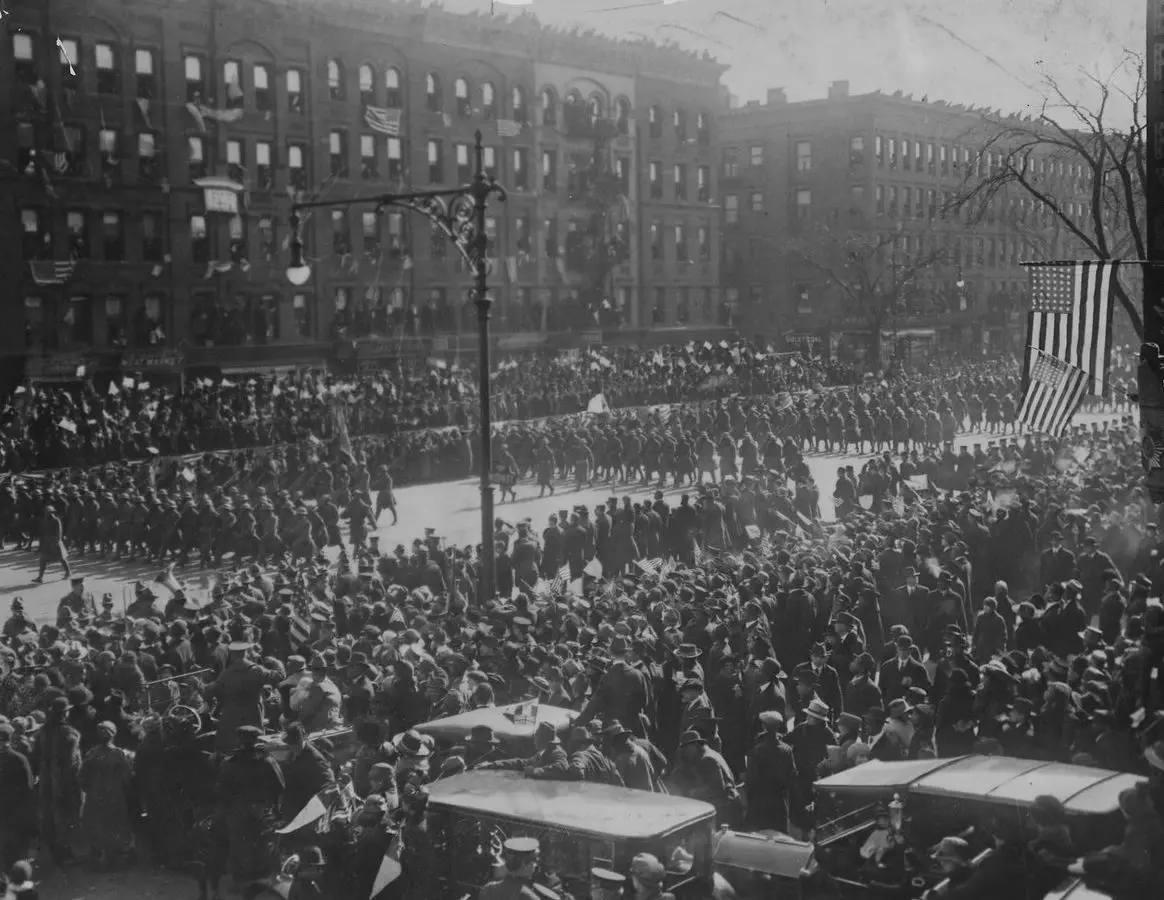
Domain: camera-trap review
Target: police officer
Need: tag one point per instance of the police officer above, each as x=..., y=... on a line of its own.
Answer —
x=521, y=861
x=606, y=885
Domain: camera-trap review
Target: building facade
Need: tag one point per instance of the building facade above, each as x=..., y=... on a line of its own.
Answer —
x=155, y=149
x=878, y=170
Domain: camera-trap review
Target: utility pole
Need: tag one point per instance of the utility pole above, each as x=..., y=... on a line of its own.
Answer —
x=1151, y=409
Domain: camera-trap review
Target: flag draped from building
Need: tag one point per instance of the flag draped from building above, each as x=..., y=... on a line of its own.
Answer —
x=508, y=128
x=1071, y=318
x=1053, y=393
x=52, y=271
x=385, y=121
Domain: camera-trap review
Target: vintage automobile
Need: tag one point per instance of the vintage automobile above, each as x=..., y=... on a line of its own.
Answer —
x=759, y=865
x=513, y=725
x=875, y=823
x=579, y=824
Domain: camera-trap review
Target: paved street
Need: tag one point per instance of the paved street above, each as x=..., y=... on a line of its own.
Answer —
x=453, y=509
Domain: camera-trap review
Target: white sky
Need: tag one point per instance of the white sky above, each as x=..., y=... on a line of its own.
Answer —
x=987, y=52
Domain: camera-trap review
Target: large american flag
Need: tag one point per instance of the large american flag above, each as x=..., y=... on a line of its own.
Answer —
x=385, y=121
x=52, y=272
x=1071, y=318
x=1053, y=393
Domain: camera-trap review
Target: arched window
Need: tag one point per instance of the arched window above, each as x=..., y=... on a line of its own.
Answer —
x=703, y=127
x=392, y=96
x=335, y=80
x=520, y=112
x=367, y=85
x=488, y=101
x=596, y=107
x=655, y=121
x=549, y=107
x=432, y=92
x=679, y=117
x=461, y=98
x=622, y=112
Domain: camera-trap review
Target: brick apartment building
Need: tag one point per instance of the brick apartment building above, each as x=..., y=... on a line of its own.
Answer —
x=118, y=112
x=878, y=164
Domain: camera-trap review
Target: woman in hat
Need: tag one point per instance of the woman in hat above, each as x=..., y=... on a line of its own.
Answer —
x=106, y=777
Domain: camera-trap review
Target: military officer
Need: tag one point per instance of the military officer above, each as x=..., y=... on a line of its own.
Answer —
x=516, y=883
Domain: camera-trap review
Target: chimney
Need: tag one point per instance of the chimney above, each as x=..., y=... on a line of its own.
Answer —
x=776, y=96
x=838, y=90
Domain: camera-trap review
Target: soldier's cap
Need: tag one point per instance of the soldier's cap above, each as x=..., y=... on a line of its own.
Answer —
x=248, y=734
x=607, y=878
x=522, y=845
x=238, y=646
x=77, y=579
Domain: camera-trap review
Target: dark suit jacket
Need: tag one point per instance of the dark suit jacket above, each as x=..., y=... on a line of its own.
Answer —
x=893, y=679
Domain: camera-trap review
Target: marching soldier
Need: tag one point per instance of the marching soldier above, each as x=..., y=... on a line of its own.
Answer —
x=52, y=542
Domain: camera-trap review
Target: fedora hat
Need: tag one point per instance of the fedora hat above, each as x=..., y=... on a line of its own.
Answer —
x=691, y=736
x=897, y=708
x=482, y=734
x=818, y=710
x=410, y=743
x=688, y=651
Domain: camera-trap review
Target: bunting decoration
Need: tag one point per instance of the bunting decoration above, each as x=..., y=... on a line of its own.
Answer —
x=46, y=272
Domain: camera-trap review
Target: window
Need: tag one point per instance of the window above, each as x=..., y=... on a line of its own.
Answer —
x=336, y=89
x=655, y=122
x=464, y=169
x=232, y=79
x=857, y=198
x=703, y=127
x=681, y=243
x=879, y=151
x=906, y=158
x=26, y=147
x=36, y=239
x=930, y=159
x=297, y=166
x=199, y=240
x=341, y=236
x=931, y=203
x=892, y=200
x=731, y=209
x=891, y=150
x=943, y=162
x=73, y=146
x=490, y=236
x=703, y=183
x=78, y=237
x=196, y=152
x=856, y=152
x=147, y=81
x=463, y=105
x=195, y=80
x=803, y=300
x=521, y=234
x=108, y=73
x=756, y=154
x=295, y=92
x=396, y=244
x=680, y=181
x=549, y=107
x=24, y=58
x=757, y=201
x=520, y=110
x=392, y=95
x=731, y=162
x=337, y=148
x=655, y=176
x=679, y=119
x=264, y=166
x=395, y=159
x=489, y=161
x=151, y=237
x=261, y=82
x=436, y=164
x=622, y=115
x=113, y=236
x=488, y=101
x=70, y=59
x=704, y=240
x=268, y=245
x=550, y=238
x=107, y=144
x=367, y=85
x=432, y=93
x=919, y=205
x=370, y=223
x=906, y=201
x=520, y=168
x=804, y=156
x=656, y=240
x=549, y=170
x=803, y=206
x=369, y=168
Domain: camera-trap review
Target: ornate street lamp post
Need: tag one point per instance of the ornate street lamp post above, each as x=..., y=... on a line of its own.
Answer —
x=459, y=213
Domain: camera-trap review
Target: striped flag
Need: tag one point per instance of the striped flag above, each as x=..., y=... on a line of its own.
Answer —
x=507, y=128
x=1071, y=318
x=560, y=580
x=52, y=271
x=650, y=566
x=1053, y=393
x=385, y=121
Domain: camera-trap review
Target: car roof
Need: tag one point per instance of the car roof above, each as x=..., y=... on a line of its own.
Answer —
x=608, y=812
x=457, y=728
x=1077, y=890
x=1081, y=789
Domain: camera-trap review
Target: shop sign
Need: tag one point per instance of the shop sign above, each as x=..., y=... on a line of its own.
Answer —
x=153, y=359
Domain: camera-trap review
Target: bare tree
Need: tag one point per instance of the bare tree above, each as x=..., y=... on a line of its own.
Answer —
x=1081, y=173
x=873, y=270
